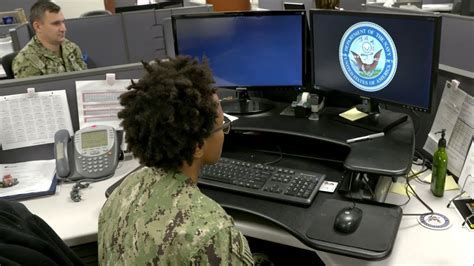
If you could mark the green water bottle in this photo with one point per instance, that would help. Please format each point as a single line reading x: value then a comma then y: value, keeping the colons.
x: 440, y: 166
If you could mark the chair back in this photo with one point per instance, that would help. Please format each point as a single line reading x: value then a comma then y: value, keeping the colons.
x: 7, y: 61
x: 96, y: 13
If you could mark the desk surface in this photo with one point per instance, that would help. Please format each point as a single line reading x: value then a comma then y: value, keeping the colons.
x: 76, y: 223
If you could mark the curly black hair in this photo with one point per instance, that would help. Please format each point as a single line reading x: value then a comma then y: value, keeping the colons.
x: 169, y: 112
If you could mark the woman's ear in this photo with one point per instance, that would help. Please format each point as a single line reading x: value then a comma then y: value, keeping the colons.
x: 199, y: 151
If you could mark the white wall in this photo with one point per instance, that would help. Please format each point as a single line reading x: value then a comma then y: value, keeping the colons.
x: 74, y: 8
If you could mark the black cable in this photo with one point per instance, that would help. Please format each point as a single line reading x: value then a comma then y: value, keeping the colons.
x: 368, y: 186
x: 417, y: 178
x: 280, y: 153
x: 350, y: 191
x: 418, y: 198
x: 417, y: 125
x: 418, y: 156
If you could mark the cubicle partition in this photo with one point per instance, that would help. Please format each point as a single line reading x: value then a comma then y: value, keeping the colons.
x: 13, y: 4
x: 457, y: 39
x: 64, y: 81
x: 101, y: 39
x: 5, y: 29
x: 21, y: 35
x: 457, y: 45
x: 146, y: 34
x: 278, y: 4
x: 124, y: 38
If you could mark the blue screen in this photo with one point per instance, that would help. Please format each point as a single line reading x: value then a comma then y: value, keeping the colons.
x: 384, y: 57
x: 245, y: 50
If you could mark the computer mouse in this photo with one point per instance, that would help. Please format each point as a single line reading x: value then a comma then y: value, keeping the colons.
x: 348, y: 220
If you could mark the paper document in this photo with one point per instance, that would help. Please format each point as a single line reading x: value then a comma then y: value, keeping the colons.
x: 98, y: 102
x: 449, y: 184
x: 33, y: 119
x: 456, y: 115
x: 402, y: 188
x: 466, y: 178
x: 33, y: 176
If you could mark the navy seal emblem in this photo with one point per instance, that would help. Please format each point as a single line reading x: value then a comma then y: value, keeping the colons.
x: 368, y: 56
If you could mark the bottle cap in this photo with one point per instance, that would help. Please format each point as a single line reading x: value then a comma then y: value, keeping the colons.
x: 442, y: 140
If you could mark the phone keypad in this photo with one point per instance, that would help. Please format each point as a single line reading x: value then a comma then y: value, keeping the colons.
x: 94, y: 164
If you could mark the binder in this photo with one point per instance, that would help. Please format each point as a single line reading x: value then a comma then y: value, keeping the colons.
x: 50, y: 191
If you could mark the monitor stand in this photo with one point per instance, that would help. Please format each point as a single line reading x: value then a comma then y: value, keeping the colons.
x: 244, y: 105
x: 375, y: 121
x: 372, y: 188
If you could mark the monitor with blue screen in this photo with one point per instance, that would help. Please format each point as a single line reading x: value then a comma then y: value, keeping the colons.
x: 390, y: 58
x: 246, y: 49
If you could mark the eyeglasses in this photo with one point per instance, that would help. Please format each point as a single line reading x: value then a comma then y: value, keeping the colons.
x: 226, y: 126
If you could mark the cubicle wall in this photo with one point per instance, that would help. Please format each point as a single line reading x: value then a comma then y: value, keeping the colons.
x: 457, y: 39
x: 457, y: 44
x: 146, y: 34
x: 21, y: 35
x: 5, y: 29
x: 101, y: 39
x: 7, y: 5
x: 278, y: 4
x: 383, y: 9
x: 70, y: 8
x: 118, y: 39
x: 64, y: 81
x: 121, y: 3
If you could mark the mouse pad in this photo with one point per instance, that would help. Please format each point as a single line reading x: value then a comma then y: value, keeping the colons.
x: 376, y: 232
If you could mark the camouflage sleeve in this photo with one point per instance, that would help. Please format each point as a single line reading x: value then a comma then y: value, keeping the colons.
x: 227, y: 247
x: 22, y: 67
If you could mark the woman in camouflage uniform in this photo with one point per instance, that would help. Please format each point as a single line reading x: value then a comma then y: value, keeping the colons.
x: 174, y: 125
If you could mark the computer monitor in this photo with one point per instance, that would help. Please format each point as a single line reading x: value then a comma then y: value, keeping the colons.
x: 246, y: 50
x: 381, y: 57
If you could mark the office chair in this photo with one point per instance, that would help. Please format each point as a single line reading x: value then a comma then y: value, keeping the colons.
x: 7, y: 61
x: 96, y: 13
x: 29, y: 240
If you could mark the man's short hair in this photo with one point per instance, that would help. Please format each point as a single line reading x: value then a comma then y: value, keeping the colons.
x: 38, y: 10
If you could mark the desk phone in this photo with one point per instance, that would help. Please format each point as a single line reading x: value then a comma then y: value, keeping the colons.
x: 94, y: 153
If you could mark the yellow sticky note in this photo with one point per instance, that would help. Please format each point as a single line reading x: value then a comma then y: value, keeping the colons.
x: 353, y: 114
x: 450, y: 184
x: 399, y: 188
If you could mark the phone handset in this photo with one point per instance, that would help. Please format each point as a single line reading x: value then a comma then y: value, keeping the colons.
x: 92, y: 153
x: 61, y: 143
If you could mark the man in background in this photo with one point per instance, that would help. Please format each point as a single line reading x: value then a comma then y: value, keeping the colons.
x: 48, y: 52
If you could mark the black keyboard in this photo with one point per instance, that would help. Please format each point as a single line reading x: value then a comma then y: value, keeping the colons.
x: 275, y: 183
